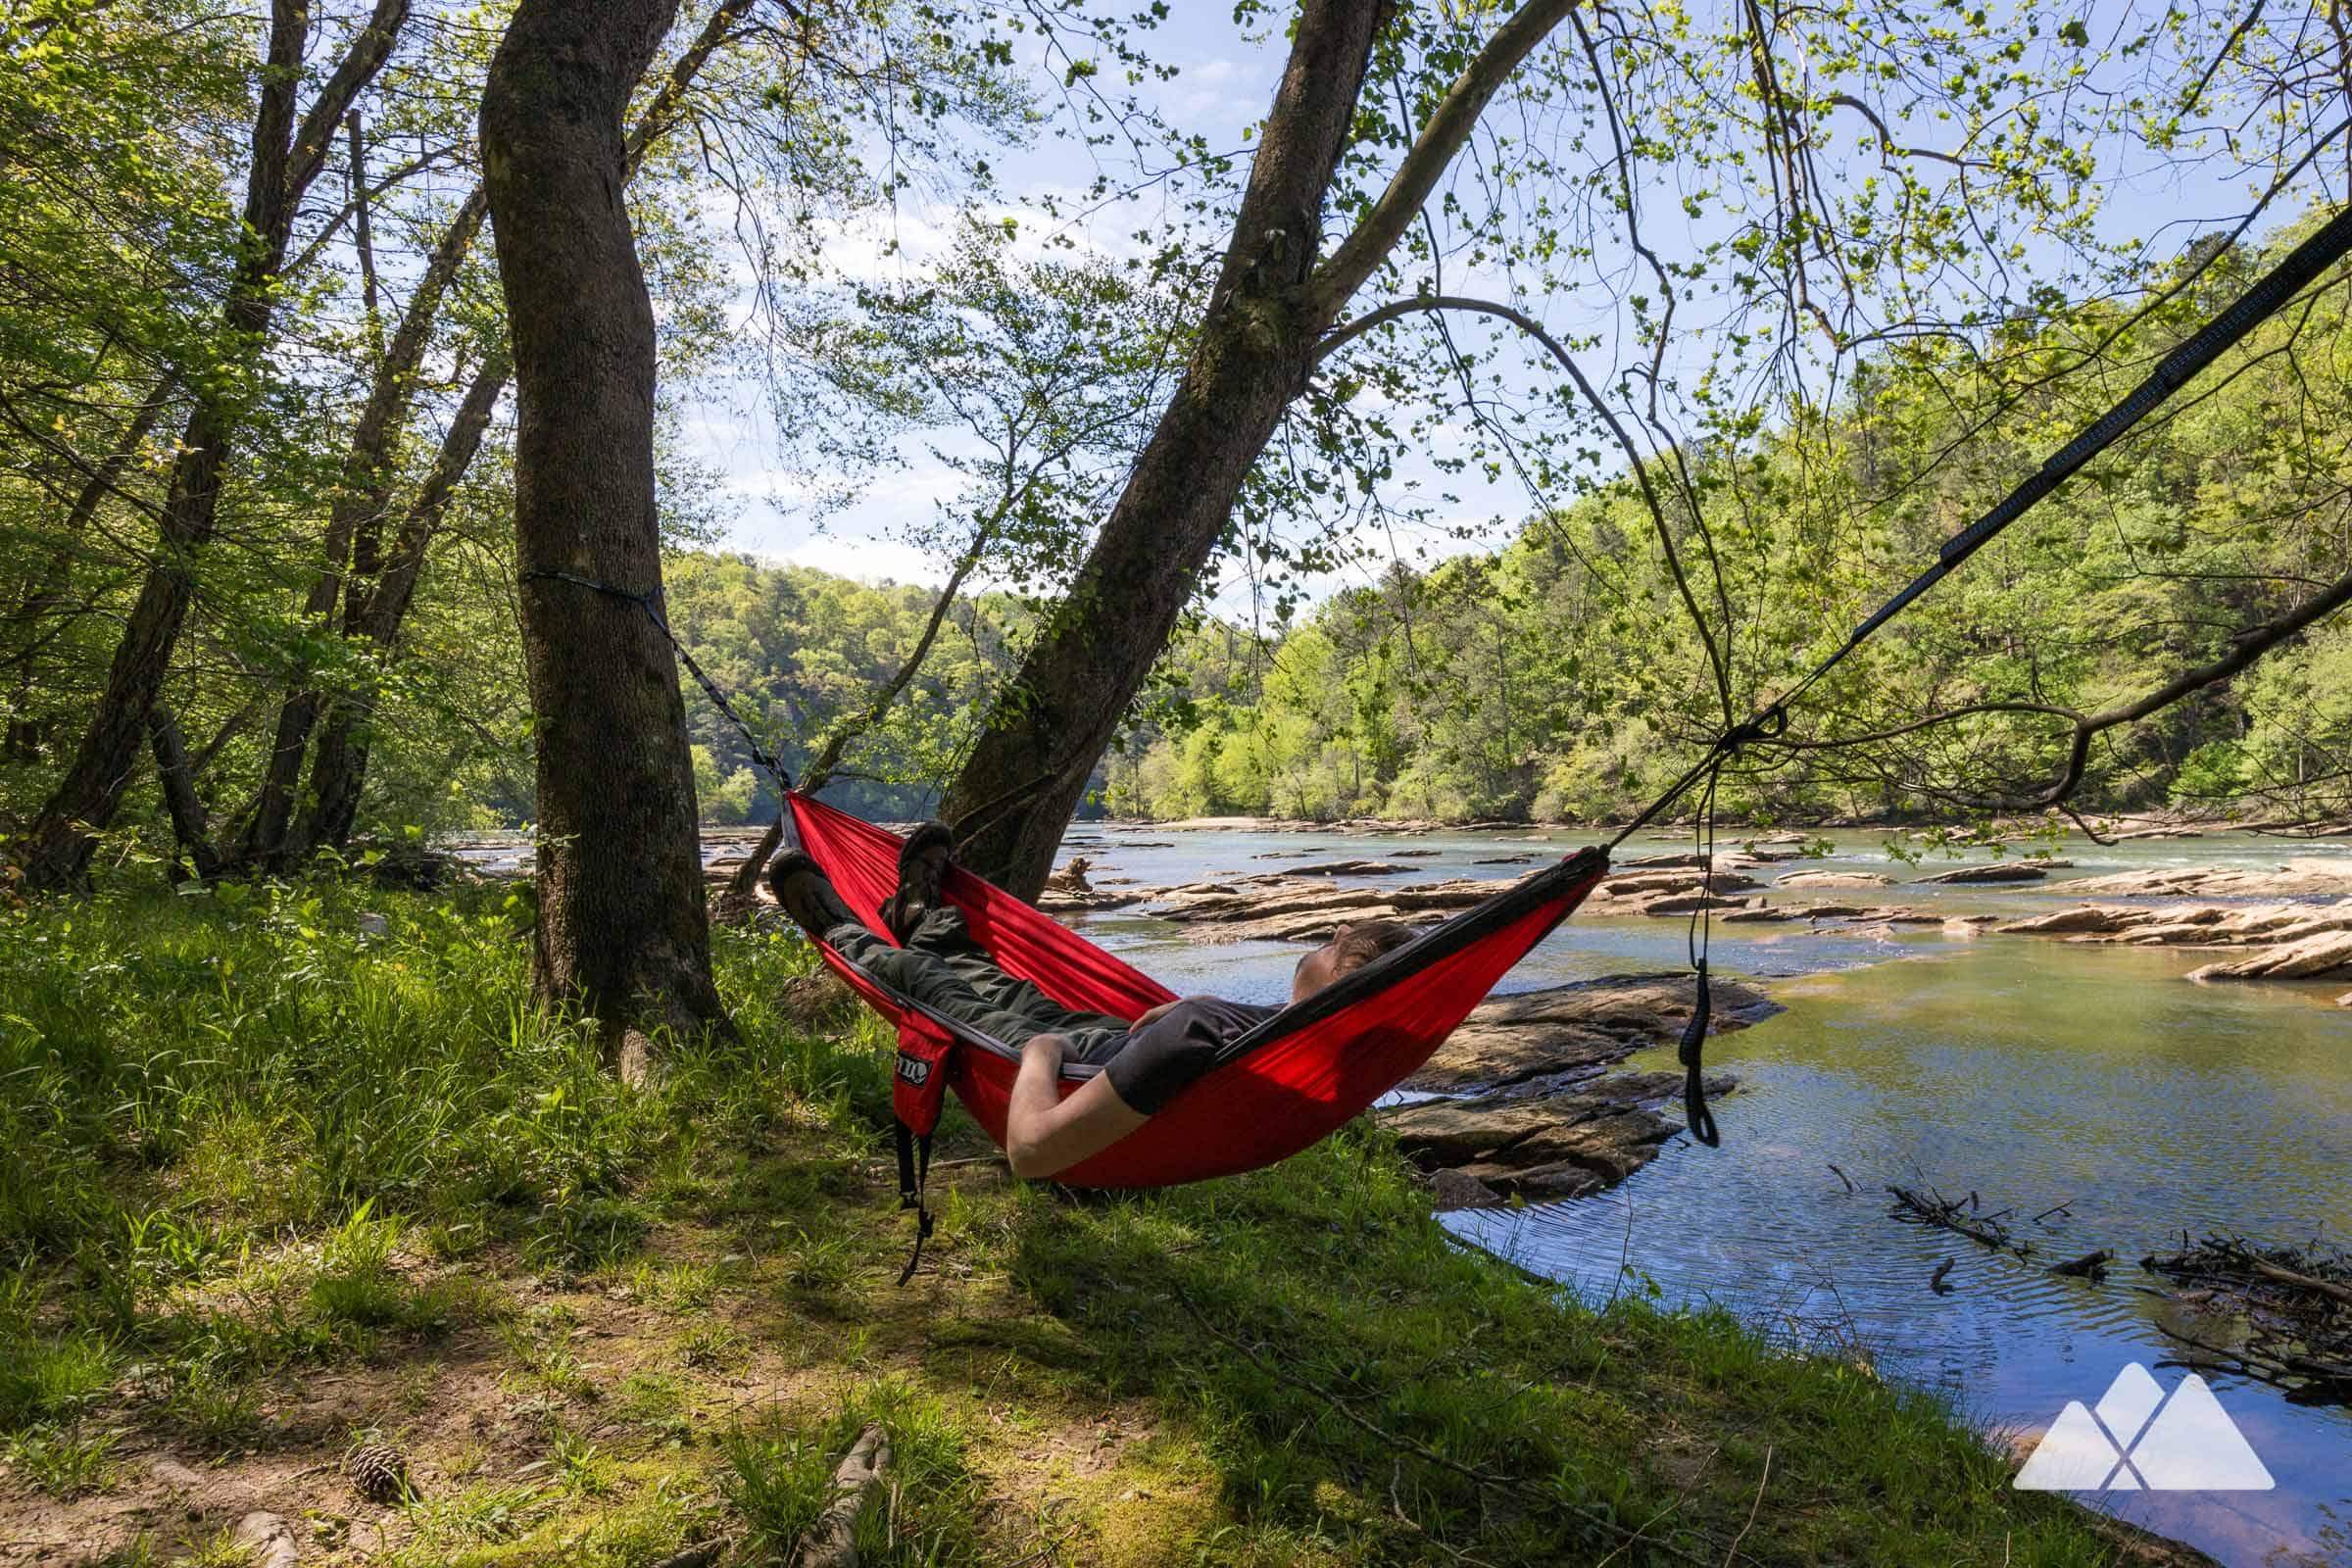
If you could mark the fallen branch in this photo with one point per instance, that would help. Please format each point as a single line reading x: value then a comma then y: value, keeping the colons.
x: 1932, y: 1208
x: 832, y: 1542
x: 2293, y: 1303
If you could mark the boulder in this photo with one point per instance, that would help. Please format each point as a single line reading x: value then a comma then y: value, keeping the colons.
x: 1458, y: 893
x: 2323, y: 953
x: 1830, y: 879
x: 1492, y: 1139
x: 1998, y: 871
x: 1454, y: 1189
x: 1569, y: 1033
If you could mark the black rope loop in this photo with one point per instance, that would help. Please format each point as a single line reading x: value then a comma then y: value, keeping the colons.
x: 650, y: 603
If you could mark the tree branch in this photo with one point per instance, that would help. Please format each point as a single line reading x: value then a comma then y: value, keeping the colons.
x: 368, y: 54
x: 1450, y: 125
x: 1342, y: 335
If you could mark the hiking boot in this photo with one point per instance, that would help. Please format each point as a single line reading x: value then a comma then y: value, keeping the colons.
x: 807, y: 894
x: 924, y: 864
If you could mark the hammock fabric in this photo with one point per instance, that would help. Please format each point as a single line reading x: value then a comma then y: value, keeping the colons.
x: 1285, y: 1085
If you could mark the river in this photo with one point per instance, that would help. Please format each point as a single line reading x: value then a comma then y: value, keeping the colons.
x: 2032, y: 1072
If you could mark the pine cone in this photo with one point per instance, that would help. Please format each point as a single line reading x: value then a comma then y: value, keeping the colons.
x: 377, y: 1473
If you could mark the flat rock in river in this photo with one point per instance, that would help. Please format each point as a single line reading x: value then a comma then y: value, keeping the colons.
x: 2296, y: 879
x: 1998, y: 871
x: 1577, y: 1029
x: 2318, y: 954
x: 1830, y: 879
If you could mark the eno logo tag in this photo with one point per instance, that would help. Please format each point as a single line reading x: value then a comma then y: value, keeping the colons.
x: 915, y: 1070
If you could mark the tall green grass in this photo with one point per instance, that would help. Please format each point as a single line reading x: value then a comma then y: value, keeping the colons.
x: 245, y: 1090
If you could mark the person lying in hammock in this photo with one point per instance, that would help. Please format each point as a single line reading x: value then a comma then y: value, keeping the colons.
x: 1144, y: 1064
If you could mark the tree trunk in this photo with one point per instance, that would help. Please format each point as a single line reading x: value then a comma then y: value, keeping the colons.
x: 622, y: 929
x: 55, y: 852
x: 177, y: 780
x: 340, y: 769
x: 1257, y: 346
x: 1256, y: 343
x: 362, y: 494
x: 48, y: 592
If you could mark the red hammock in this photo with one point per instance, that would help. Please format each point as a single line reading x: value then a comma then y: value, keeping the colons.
x: 1286, y: 1084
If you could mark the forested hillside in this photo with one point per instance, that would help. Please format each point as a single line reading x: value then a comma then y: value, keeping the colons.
x: 1560, y: 676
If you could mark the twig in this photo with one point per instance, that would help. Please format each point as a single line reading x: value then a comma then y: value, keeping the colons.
x: 1936, y: 1280
x: 1672, y: 1503
x: 2054, y: 1209
x: 1758, y: 1503
x: 1844, y: 1177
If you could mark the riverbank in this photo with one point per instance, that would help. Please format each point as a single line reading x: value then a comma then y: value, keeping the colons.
x: 289, y: 1181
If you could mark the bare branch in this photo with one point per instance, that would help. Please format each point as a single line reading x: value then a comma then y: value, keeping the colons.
x: 1342, y: 335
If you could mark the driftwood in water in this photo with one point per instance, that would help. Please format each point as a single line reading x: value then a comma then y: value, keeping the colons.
x: 2296, y: 1304
x: 2090, y: 1266
x: 1932, y: 1208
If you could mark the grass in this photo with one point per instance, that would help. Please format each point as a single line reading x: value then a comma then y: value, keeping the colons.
x: 280, y: 1187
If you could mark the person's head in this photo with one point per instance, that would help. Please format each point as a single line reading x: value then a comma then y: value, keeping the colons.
x: 1351, y: 948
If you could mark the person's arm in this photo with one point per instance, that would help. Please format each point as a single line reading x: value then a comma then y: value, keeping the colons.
x: 1045, y: 1134
x: 1155, y: 1015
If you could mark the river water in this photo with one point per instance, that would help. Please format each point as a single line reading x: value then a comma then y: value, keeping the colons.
x: 2032, y: 1072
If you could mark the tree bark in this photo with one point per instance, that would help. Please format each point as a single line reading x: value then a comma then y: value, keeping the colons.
x: 623, y: 930
x: 51, y: 582
x: 55, y: 852
x: 339, y: 771
x: 177, y: 780
x: 363, y: 495
x: 1255, y: 349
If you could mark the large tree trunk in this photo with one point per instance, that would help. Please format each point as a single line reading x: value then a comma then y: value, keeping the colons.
x: 622, y: 928
x: 55, y: 852
x: 1256, y: 345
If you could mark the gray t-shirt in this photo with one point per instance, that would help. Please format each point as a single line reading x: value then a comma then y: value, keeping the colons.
x: 1176, y: 1047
